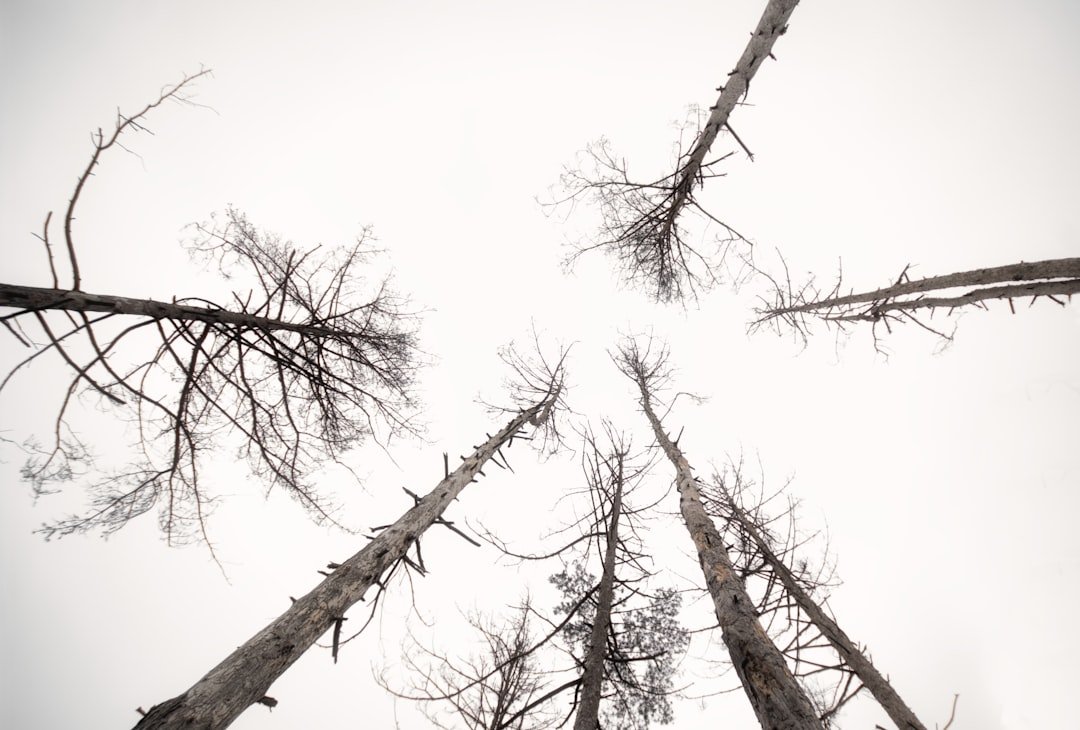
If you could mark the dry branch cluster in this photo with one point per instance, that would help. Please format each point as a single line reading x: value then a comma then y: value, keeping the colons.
x: 304, y: 365
x: 641, y: 226
x: 311, y: 360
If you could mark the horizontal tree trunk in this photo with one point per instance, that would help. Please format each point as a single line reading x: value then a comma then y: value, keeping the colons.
x: 1068, y: 268
x: 864, y: 669
x: 1010, y: 291
x: 245, y: 676
x: 38, y: 299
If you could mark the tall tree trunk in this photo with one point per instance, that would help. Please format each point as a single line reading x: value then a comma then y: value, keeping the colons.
x: 878, y: 685
x: 592, y: 679
x: 244, y: 677
x: 778, y: 700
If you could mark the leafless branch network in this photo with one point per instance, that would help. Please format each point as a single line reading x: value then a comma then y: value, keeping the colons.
x: 297, y: 370
x: 641, y: 222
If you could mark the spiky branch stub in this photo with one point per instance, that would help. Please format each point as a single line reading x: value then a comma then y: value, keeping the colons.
x: 790, y: 307
x: 297, y: 370
x: 641, y: 222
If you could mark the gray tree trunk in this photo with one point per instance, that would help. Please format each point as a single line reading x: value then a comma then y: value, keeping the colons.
x: 35, y: 298
x: 245, y: 676
x: 772, y: 25
x: 878, y: 685
x: 592, y: 679
x: 1035, y: 276
x: 774, y: 693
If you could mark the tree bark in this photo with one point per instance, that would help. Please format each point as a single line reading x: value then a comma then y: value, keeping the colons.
x: 592, y: 678
x: 1068, y: 268
x: 1035, y: 289
x: 244, y: 677
x: 35, y: 298
x: 774, y: 693
x: 772, y: 25
x: 878, y: 685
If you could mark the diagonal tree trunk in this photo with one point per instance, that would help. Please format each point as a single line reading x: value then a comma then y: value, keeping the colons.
x: 878, y: 685
x: 245, y: 676
x: 778, y: 700
x: 592, y: 678
x: 772, y: 25
x: 641, y: 221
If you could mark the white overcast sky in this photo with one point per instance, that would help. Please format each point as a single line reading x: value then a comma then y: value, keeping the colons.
x: 937, y: 134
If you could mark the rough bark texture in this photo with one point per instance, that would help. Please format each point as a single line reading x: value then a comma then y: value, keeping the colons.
x: 36, y: 298
x: 778, y: 700
x: 878, y: 685
x: 243, y: 678
x: 772, y: 25
x: 1010, y: 291
x: 592, y: 678
x: 1023, y: 272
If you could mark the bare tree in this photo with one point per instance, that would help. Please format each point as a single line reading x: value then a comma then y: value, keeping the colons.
x: 497, y: 688
x: 624, y: 627
x: 302, y: 367
x: 791, y: 591
x: 776, y: 697
x: 624, y: 638
x: 641, y: 221
x: 245, y: 676
x: 790, y: 307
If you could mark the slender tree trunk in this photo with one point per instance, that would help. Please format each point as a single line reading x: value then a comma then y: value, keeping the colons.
x: 778, y: 700
x: 35, y: 298
x: 592, y: 678
x: 878, y: 685
x: 244, y: 677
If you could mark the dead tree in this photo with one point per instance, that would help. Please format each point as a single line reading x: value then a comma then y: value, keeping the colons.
x: 618, y: 637
x: 501, y: 687
x: 641, y: 221
x: 775, y: 695
x: 592, y: 674
x: 792, y: 591
x: 305, y: 365
x: 790, y: 307
x: 245, y: 676
x: 624, y: 639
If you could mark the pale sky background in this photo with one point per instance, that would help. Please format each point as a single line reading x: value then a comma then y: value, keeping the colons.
x: 936, y: 134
